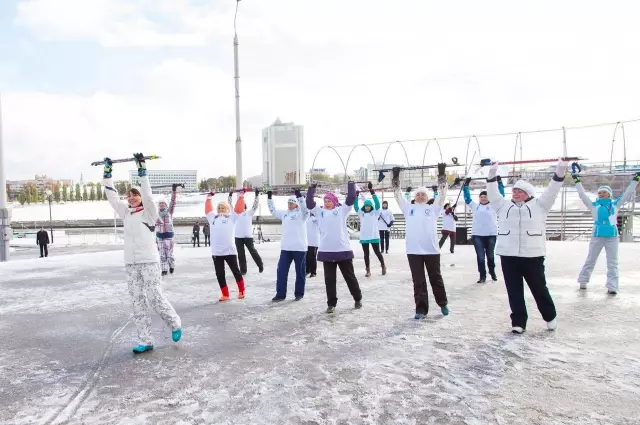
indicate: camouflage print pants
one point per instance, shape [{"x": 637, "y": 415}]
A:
[
  {"x": 144, "y": 287},
  {"x": 165, "y": 248}
]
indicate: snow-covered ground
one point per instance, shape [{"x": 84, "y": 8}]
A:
[{"x": 67, "y": 334}]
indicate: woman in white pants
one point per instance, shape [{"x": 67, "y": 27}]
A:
[
  {"x": 604, "y": 211},
  {"x": 139, "y": 215}
]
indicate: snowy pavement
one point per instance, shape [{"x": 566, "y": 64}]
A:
[{"x": 66, "y": 337}]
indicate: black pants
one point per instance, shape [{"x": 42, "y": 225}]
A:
[
  {"x": 207, "y": 240},
  {"x": 312, "y": 262},
  {"x": 242, "y": 258},
  {"x": 196, "y": 238},
  {"x": 232, "y": 262},
  {"x": 384, "y": 240},
  {"x": 417, "y": 264},
  {"x": 452, "y": 238},
  {"x": 515, "y": 269},
  {"x": 485, "y": 246},
  {"x": 376, "y": 250},
  {"x": 330, "y": 276},
  {"x": 44, "y": 250}
]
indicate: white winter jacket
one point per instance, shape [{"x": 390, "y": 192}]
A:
[
  {"x": 139, "y": 224},
  {"x": 522, "y": 228}
]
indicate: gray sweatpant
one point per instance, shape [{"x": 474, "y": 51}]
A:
[
  {"x": 610, "y": 246},
  {"x": 144, "y": 287}
]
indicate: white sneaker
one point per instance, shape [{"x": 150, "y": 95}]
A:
[
  {"x": 517, "y": 330},
  {"x": 552, "y": 325},
  {"x": 583, "y": 286}
]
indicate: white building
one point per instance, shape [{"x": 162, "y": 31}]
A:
[
  {"x": 282, "y": 154},
  {"x": 168, "y": 177},
  {"x": 311, "y": 172}
]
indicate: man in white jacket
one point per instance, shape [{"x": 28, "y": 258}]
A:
[
  {"x": 521, "y": 243},
  {"x": 293, "y": 244},
  {"x": 139, "y": 215}
]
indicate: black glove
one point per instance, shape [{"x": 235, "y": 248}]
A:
[
  {"x": 457, "y": 181},
  {"x": 357, "y": 193},
  {"x": 314, "y": 185},
  {"x": 230, "y": 194},
  {"x": 257, "y": 192},
  {"x": 434, "y": 188},
  {"x": 297, "y": 193},
  {"x": 370, "y": 187},
  {"x": 409, "y": 189},
  {"x": 441, "y": 168},
  {"x": 390, "y": 224},
  {"x": 269, "y": 194},
  {"x": 395, "y": 180},
  {"x": 141, "y": 164},
  {"x": 576, "y": 178},
  {"x": 637, "y": 177},
  {"x": 498, "y": 178},
  {"x": 174, "y": 187},
  {"x": 108, "y": 168},
  {"x": 467, "y": 181}
]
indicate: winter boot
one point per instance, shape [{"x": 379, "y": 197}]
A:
[
  {"x": 331, "y": 309},
  {"x": 312, "y": 275},
  {"x": 142, "y": 348},
  {"x": 171, "y": 270},
  {"x": 444, "y": 310},
  {"x": 358, "y": 305},
  {"x": 176, "y": 335},
  {"x": 493, "y": 276},
  {"x": 225, "y": 294},
  {"x": 240, "y": 289},
  {"x": 368, "y": 273},
  {"x": 482, "y": 280},
  {"x": 517, "y": 330},
  {"x": 552, "y": 325},
  {"x": 164, "y": 272},
  {"x": 260, "y": 268},
  {"x": 583, "y": 286},
  {"x": 277, "y": 299},
  {"x": 612, "y": 292},
  {"x": 419, "y": 316},
  {"x": 384, "y": 270},
  {"x": 298, "y": 298}
]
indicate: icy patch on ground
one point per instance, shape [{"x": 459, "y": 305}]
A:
[{"x": 66, "y": 338}]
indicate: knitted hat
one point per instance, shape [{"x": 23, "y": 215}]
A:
[
  {"x": 333, "y": 197},
  {"x": 293, "y": 200},
  {"x": 368, "y": 203},
  {"x": 525, "y": 186},
  {"x": 484, "y": 192},
  {"x": 162, "y": 199},
  {"x": 606, "y": 189},
  {"x": 422, "y": 189}
]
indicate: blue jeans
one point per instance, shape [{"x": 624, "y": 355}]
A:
[
  {"x": 485, "y": 246},
  {"x": 299, "y": 258}
]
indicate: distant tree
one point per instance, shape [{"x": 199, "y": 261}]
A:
[
  {"x": 78, "y": 192},
  {"x": 22, "y": 197},
  {"x": 65, "y": 194},
  {"x": 71, "y": 198},
  {"x": 98, "y": 191},
  {"x": 56, "y": 193},
  {"x": 9, "y": 194},
  {"x": 85, "y": 195},
  {"x": 92, "y": 193},
  {"x": 320, "y": 177}
]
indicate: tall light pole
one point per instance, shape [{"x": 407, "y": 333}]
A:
[
  {"x": 5, "y": 213},
  {"x": 239, "y": 179},
  {"x": 49, "y": 193}
]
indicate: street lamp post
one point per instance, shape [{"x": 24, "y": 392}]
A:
[
  {"x": 239, "y": 179},
  {"x": 49, "y": 193}
]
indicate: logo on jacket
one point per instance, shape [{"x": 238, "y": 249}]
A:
[
  {"x": 335, "y": 213},
  {"x": 427, "y": 212},
  {"x": 411, "y": 212}
]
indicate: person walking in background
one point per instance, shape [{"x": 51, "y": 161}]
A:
[
  {"x": 485, "y": 229},
  {"x": 206, "y": 231},
  {"x": 42, "y": 239},
  {"x": 449, "y": 219},
  {"x": 196, "y": 234},
  {"x": 604, "y": 211},
  {"x": 521, "y": 244},
  {"x": 223, "y": 249},
  {"x": 334, "y": 249},
  {"x": 164, "y": 232},
  {"x": 139, "y": 215},
  {"x": 385, "y": 221},
  {"x": 244, "y": 234},
  {"x": 369, "y": 234},
  {"x": 293, "y": 245},
  {"x": 421, "y": 241},
  {"x": 313, "y": 236}
]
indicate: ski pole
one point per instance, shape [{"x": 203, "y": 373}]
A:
[
  {"x": 487, "y": 161},
  {"x": 164, "y": 186},
  {"x": 117, "y": 161}
]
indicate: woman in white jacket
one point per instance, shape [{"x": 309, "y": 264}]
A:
[
  {"x": 139, "y": 215},
  {"x": 521, "y": 244},
  {"x": 422, "y": 242}
]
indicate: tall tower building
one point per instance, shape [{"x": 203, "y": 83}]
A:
[{"x": 283, "y": 154}]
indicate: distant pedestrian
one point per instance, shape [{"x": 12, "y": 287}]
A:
[
  {"x": 42, "y": 239},
  {"x": 196, "y": 234},
  {"x": 206, "y": 231},
  {"x": 385, "y": 221},
  {"x": 449, "y": 219}
]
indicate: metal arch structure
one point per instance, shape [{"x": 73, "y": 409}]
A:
[
  {"x": 424, "y": 155},
  {"x": 351, "y": 151},
  {"x": 384, "y": 159},
  {"x": 313, "y": 164},
  {"x": 515, "y": 152},
  {"x": 466, "y": 157},
  {"x": 624, "y": 146}
]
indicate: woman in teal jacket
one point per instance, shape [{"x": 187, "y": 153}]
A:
[
  {"x": 369, "y": 235},
  {"x": 604, "y": 211}
]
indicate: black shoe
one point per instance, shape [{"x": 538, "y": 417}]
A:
[
  {"x": 260, "y": 269},
  {"x": 298, "y": 298},
  {"x": 494, "y": 277},
  {"x": 358, "y": 304},
  {"x": 243, "y": 273},
  {"x": 278, "y": 299},
  {"x": 386, "y": 252},
  {"x": 164, "y": 273},
  {"x": 171, "y": 271},
  {"x": 482, "y": 280},
  {"x": 312, "y": 275}
]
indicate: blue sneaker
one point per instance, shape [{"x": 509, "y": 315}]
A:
[
  {"x": 419, "y": 316},
  {"x": 176, "y": 335},
  {"x": 445, "y": 310},
  {"x": 142, "y": 348}
]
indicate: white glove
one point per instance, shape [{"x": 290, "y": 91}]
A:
[
  {"x": 493, "y": 171},
  {"x": 561, "y": 168}
]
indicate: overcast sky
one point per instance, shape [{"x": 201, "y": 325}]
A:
[{"x": 81, "y": 79}]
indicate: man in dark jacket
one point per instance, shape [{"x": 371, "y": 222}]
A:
[
  {"x": 196, "y": 234},
  {"x": 42, "y": 239},
  {"x": 206, "y": 231}
]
